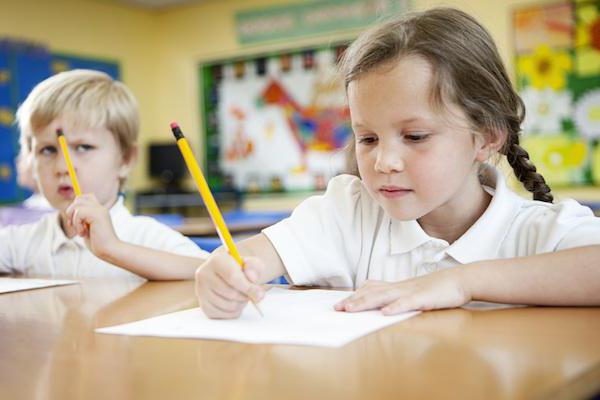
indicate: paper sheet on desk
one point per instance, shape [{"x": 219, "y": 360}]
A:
[
  {"x": 302, "y": 317},
  {"x": 8, "y": 285}
]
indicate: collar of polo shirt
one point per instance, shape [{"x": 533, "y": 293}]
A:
[{"x": 482, "y": 240}]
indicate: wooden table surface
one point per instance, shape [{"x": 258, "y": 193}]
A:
[
  {"x": 203, "y": 226},
  {"x": 48, "y": 350}
]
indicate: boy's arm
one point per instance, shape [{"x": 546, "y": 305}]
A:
[
  {"x": 150, "y": 263},
  {"x": 563, "y": 278},
  {"x": 92, "y": 221}
]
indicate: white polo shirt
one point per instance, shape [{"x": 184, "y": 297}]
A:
[
  {"x": 42, "y": 248},
  {"x": 344, "y": 237}
]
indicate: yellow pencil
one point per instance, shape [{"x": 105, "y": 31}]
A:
[
  {"x": 65, "y": 150},
  {"x": 207, "y": 197}
]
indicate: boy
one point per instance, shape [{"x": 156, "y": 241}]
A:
[{"x": 93, "y": 234}]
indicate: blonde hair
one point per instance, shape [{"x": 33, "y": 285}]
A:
[
  {"x": 90, "y": 98},
  {"x": 467, "y": 71}
]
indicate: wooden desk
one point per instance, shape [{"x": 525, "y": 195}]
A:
[
  {"x": 205, "y": 227},
  {"x": 48, "y": 350}
]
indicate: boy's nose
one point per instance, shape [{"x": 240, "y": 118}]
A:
[
  {"x": 389, "y": 161},
  {"x": 61, "y": 165}
]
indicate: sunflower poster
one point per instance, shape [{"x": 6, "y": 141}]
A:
[{"x": 558, "y": 76}]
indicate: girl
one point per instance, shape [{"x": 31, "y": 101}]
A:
[{"x": 428, "y": 223}]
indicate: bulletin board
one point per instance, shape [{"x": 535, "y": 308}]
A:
[
  {"x": 275, "y": 122},
  {"x": 557, "y": 50}
]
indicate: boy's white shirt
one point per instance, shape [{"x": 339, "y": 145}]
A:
[
  {"x": 42, "y": 248},
  {"x": 344, "y": 237}
]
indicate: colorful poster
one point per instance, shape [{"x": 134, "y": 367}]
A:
[
  {"x": 558, "y": 75},
  {"x": 280, "y": 123}
]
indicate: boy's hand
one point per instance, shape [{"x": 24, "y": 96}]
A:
[
  {"x": 91, "y": 221},
  {"x": 441, "y": 289},
  {"x": 223, "y": 288}
]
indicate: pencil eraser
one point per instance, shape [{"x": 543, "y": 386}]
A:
[
  {"x": 59, "y": 132},
  {"x": 174, "y": 125}
]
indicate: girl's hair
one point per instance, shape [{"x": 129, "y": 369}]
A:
[{"x": 467, "y": 71}]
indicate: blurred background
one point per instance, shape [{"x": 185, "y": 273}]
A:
[{"x": 253, "y": 86}]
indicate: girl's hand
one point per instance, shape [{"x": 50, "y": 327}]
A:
[
  {"x": 223, "y": 288},
  {"x": 441, "y": 289},
  {"x": 90, "y": 220}
]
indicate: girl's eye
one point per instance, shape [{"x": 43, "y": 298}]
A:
[
  {"x": 47, "y": 150},
  {"x": 367, "y": 140},
  {"x": 82, "y": 148},
  {"x": 416, "y": 138}
]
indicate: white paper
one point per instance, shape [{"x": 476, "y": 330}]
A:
[
  {"x": 302, "y": 317},
  {"x": 8, "y": 285}
]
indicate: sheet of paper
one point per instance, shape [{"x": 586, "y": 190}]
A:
[
  {"x": 301, "y": 317},
  {"x": 8, "y": 285}
]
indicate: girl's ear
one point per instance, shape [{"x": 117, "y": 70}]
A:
[
  {"x": 129, "y": 161},
  {"x": 490, "y": 144}
]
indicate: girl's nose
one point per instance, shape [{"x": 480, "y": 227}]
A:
[{"x": 389, "y": 161}]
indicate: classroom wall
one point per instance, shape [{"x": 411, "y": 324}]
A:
[
  {"x": 99, "y": 29},
  {"x": 203, "y": 32},
  {"x": 159, "y": 52}
]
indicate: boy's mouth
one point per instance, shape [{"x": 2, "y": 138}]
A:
[{"x": 66, "y": 191}]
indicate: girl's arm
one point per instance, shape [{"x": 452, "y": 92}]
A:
[{"x": 563, "y": 278}]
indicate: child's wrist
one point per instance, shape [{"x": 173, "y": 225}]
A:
[
  {"x": 466, "y": 281},
  {"x": 111, "y": 250}
]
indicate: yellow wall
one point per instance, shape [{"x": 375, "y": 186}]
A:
[
  {"x": 159, "y": 52},
  {"x": 94, "y": 29}
]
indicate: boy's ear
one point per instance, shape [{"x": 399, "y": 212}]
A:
[
  {"x": 490, "y": 144},
  {"x": 129, "y": 161}
]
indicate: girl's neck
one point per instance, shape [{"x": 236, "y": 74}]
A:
[{"x": 451, "y": 220}]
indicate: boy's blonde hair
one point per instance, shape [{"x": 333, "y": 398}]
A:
[{"x": 90, "y": 98}]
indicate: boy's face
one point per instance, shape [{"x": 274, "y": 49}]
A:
[
  {"x": 413, "y": 160},
  {"x": 96, "y": 157}
]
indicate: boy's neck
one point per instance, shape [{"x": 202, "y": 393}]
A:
[{"x": 450, "y": 221}]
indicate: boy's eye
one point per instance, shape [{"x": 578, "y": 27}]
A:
[
  {"x": 47, "y": 150},
  {"x": 82, "y": 148}
]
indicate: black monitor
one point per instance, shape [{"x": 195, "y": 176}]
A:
[{"x": 166, "y": 163}]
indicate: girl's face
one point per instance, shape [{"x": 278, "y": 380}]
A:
[{"x": 412, "y": 159}]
